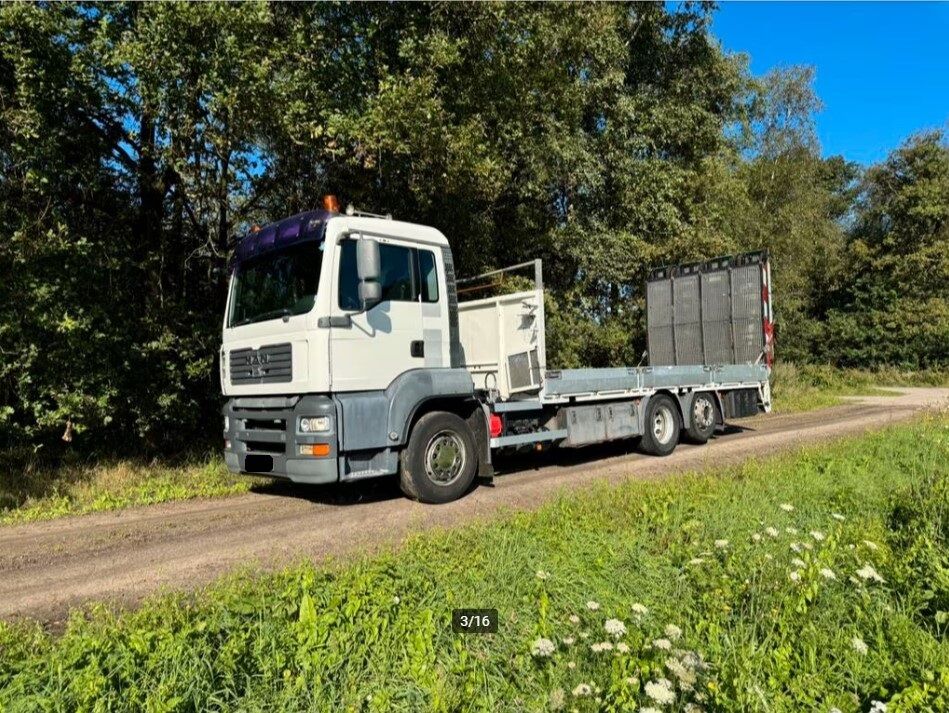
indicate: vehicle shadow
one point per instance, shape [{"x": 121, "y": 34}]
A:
[{"x": 387, "y": 487}]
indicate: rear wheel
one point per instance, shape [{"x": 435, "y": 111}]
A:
[
  {"x": 440, "y": 461},
  {"x": 702, "y": 416},
  {"x": 661, "y": 427}
]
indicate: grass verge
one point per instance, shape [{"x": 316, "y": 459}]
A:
[
  {"x": 807, "y": 387},
  {"x": 804, "y": 582},
  {"x": 32, "y": 490}
]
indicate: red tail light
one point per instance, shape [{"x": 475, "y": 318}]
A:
[{"x": 496, "y": 425}]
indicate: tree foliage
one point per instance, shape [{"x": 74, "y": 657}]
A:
[{"x": 604, "y": 138}]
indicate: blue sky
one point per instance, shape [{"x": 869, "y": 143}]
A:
[{"x": 882, "y": 68}]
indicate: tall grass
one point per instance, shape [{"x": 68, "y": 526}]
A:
[
  {"x": 737, "y": 559},
  {"x": 37, "y": 489},
  {"x": 806, "y": 387}
]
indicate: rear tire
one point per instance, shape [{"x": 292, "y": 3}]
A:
[
  {"x": 701, "y": 417},
  {"x": 661, "y": 428},
  {"x": 440, "y": 460}
]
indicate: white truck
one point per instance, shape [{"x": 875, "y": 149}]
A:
[{"x": 346, "y": 355}]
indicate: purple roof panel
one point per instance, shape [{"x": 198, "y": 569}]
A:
[{"x": 283, "y": 233}]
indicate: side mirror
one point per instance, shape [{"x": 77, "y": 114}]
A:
[{"x": 369, "y": 268}]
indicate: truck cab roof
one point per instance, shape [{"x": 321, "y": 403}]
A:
[{"x": 312, "y": 226}]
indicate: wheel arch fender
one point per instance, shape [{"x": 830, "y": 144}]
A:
[{"x": 417, "y": 392}]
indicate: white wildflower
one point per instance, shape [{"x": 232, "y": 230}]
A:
[
  {"x": 686, "y": 676},
  {"x": 868, "y": 572},
  {"x": 772, "y": 532},
  {"x": 631, "y": 680},
  {"x": 799, "y": 563},
  {"x": 622, "y": 647},
  {"x": 755, "y": 537},
  {"x": 877, "y": 707},
  {"x": 837, "y": 516},
  {"x": 693, "y": 660},
  {"x": 639, "y": 609},
  {"x": 791, "y": 530},
  {"x": 601, "y": 646},
  {"x": 721, "y": 544},
  {"x": 859, "y": 645},
  {"x": 568, "y": 641},
  {"x": 593, "y": 606},
  {"x": 872, "y": 545},
  {"x": 787, "y": 507},
  {"x": 828, "y": 573},
  {"x": 615, "y": 628},
  {"x": 672, "y": 631},
  {"x": 584, "y": 634},
  {"x": 649, "y": 709},
  {"x": 662, "y": 644},
  {"x": 795, "y": 576},
  {"x": 541, "y": 574},
  {"x": 574, "y": 619},
  {"x": 817, "y": 535},
  {"x": 661, "y": 691},
  {"x": 835, "y": 710},
  {"x": 582, "y": 689},
  {"x": 396, "y": 600},
  {"x": 571, "y": 665},
  {"x": 542, "y": 648},
  {"x": 795, "y": 547},
  {"x": 696, "y": 561},
  {"x": 556, "y": 699},
  {"x": 768, "y": 557}
]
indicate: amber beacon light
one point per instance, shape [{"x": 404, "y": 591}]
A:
[{"x": 331, "y": 203}]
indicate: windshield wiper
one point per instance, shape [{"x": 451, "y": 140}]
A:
[{"x": 285, "y": 312}]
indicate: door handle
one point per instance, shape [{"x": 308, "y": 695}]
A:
[{"x": 417, "y": 348}]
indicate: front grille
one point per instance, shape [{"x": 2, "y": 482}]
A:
[{"x": 271, "y": 364}]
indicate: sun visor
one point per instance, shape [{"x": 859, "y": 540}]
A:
[{"x": 303, "y": 227}]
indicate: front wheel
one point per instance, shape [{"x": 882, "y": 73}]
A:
[
  {"x": 440, "y": 461},
  {"x": 661, "y": 429}
]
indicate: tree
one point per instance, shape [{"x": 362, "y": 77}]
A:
[{"x": 895, "y": 310}]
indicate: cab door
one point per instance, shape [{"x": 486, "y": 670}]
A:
[{"x": 377, "y": 345}]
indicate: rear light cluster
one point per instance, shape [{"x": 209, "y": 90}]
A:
[{"x": 496, "y": 425}]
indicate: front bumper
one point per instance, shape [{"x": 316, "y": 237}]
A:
[{"x": 264, "y": 440}]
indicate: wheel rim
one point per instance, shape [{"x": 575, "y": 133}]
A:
[
  {"x": 662, "y": 425},
  {"x": 445, "y": 458},
  {"x": 703, "y": 414}
]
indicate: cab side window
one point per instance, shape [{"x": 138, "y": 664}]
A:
[
  {"x": 406, "y": 275},
  {"x": 428, "y": 275}
]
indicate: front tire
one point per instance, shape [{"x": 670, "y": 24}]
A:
[
  {"x": 702, "y": 417},
  {"x": 661, "y": 429},
  {"x": 440, "y": 461}
]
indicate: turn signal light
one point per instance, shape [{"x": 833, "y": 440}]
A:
[
  {"x": 320, "y": 450},
  {"x": 331, "y": 203}
]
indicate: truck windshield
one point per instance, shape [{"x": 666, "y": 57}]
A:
[{"x": 276, "y": 285}]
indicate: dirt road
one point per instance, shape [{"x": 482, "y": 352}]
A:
[{"x": 120, "y": 557}]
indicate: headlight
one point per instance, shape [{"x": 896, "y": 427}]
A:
[{"x": 314, "y": 424}]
